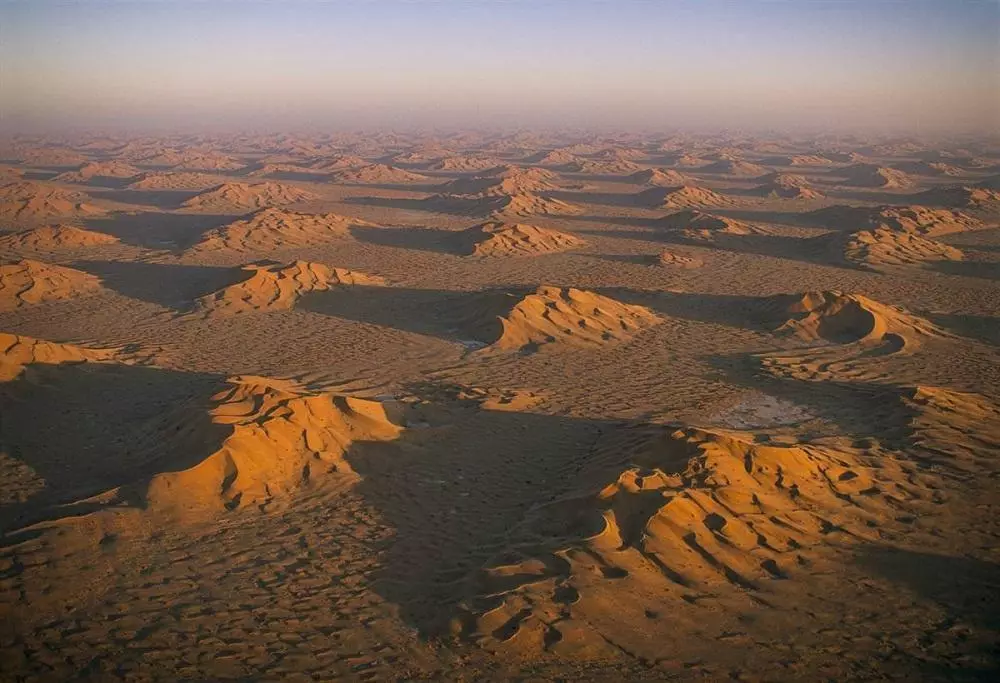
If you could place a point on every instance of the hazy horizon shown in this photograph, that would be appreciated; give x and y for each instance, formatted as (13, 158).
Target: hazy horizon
(889, 66)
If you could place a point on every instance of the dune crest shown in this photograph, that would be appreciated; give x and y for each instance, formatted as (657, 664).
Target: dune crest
(272, 228)
(885, 247)
(376, 173)
(499, 239)
(48, 237)
(787, 186)
(685, 196)
(276, 286)
(17, 352)
(870, 175)
(670, 258)
(33, 201)
(243, 196)
(962, 196)
(660, 177)
(27, 282)
(172, 180)
(98, 169)
(697, 224)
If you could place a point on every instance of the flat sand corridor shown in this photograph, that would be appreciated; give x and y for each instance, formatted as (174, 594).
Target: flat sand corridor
(485, 406)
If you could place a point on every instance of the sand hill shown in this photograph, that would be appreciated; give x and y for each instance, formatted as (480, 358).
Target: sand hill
(50, 237)
(172, 180)
(275, 438)
(670, 258)
(98, 169)
(920, 220)
(787, 186)
(870, 175)
(735, 168)
(885, 247)
(273, 286)
(271, 229)
(524, 204)
(690, 161)
(503, 180)
(231, 197)
(337, 163)
(659, 177)
(599, 167)
(205, 162)
(279, 168)
(465, 164)
(17, 352)
(682, 197)
(808, 160)
(496, 238)
(376, 173)
(694, 221)
(941, 422)
(555, 317)
(665, 517)
(961, 196)
(31, 201)
(27, 282)
(556, 157)
(54, 158)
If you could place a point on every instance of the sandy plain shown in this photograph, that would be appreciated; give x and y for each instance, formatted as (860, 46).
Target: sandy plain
(474, 407)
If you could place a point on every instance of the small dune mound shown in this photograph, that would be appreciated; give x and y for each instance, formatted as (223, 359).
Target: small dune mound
(735, 167)
(672, 521)
(27, 282)
(682, 197)
(527, 204)
(659, 177)
(808, 160)
(870, 175)
(787, 186)
(556, 157)
(923, 221)
(337, 163)
(558, 317)
(275, 169)
(962, 196)
(885, 247)
(32, 201)
(277, 438)
(204, 162)
(376, 173)
(503, 180)
(499, 239)
(230, 197)
(275, 286)
(172, 180)
(98, 169)
(690, 161)
(52, 237)
(932, 168)
(600, 167)
(698, 223)
(17, 352)
(839, 318)
(52, 157)
(270, 229)
(464, 164)
(675, 260)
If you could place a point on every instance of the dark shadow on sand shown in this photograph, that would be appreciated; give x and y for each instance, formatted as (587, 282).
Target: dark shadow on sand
(171, 285)
(154, 230)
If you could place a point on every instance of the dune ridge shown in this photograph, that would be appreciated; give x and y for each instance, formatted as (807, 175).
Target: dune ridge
(274, 228)
(27, 282)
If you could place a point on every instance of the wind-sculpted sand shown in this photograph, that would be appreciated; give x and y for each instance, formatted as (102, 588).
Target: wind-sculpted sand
(230, 197)
(29, 201)
(54, 237)
(27, 282)
(272, 228)
(499, 239)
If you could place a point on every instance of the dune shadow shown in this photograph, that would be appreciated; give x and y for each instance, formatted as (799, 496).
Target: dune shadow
(455, 496)
(965, 587)
(421, 239)
(986, 270)
(387, 203)
(985, 328)
(628, 199)
(171, 285)
(160, 199)
(732, 310)
(86, 428)
(154, 230)
(630, 221)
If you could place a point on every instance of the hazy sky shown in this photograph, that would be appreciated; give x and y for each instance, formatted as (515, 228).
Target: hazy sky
(623, 63)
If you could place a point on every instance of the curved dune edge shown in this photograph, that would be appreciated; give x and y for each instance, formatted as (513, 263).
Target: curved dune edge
(676, 517)
(276, 286)
(48, 237)
(501, 239)
(27, 282)
(885, 247)
(247, 196)
(273, 228)
(17, 352)
(34, 201)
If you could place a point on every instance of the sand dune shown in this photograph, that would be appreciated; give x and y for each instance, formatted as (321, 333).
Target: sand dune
(337, 163)
(271, 169)
(173, 180)
(560, 318)
(666, 517)
(735, 168)
(961, 196)
(525, 204)
(272, 228)
(32, 201)
(500, 239)
(18, 352)
(660, 177)
(690, 161)
(27, 282)
(870, 175)
(670, 258)
(230, 197)
(503, 180)
(376, 173)
(956, 429)
(885, 247)
(682, 197)
(51, 237)
(270, 286)
(705, 224)
(464, 163)
(199, 162)
(51, 157)
(787, 186)
(599, 167)
(98, 169)
(556, 157)
(919, 220)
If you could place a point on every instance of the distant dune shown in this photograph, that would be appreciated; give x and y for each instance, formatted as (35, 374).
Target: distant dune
(273, 228)
(499, 239)
(30, 201)
(230, 197)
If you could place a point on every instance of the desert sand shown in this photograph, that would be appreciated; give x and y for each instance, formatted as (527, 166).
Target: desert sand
(483, 406)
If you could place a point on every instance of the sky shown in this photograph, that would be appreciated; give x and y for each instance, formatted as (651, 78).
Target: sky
(907, 65)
